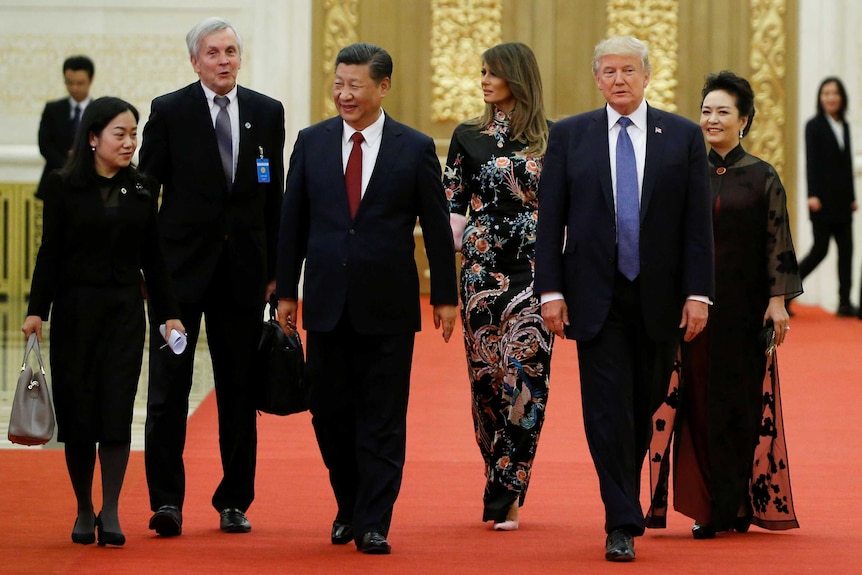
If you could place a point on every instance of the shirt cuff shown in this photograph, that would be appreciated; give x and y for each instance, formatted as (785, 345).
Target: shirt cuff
(700, 298)
(550, 296)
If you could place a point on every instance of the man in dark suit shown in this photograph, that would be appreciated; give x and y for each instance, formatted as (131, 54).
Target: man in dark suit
(61, 117)
(624, 265)
(217, 150)
(361, 290)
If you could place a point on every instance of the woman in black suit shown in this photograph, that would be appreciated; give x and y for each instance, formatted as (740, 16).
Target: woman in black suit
(831, 197)
(99, 234)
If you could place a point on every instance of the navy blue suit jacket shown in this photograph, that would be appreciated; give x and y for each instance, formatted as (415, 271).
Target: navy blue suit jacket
(56, 136)
(576, 202)
(366, 265)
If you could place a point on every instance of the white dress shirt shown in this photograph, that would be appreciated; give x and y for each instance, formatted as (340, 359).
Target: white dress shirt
(373, 134)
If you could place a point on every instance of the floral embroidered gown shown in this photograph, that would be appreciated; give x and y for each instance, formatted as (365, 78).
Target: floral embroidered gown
(508, 345)
(730, 452)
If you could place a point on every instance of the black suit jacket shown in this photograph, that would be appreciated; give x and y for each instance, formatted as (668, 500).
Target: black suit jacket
(81, 246)
(199, 218)
(365, 265)
(56, 136)
(830, 171)
(576, 202)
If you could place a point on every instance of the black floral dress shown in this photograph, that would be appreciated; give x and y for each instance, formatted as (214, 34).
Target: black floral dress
(508, 345)
(730, 455)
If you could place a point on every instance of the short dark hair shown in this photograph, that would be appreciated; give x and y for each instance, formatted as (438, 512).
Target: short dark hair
(841, 92)
(79, 63)
(81, 167)
(738, 87)
(377, 59)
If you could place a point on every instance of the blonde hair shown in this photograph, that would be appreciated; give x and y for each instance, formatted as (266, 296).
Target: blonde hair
(622, 46)
(515, 63)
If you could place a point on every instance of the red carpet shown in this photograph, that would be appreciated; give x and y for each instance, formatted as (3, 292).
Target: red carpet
(437, 527)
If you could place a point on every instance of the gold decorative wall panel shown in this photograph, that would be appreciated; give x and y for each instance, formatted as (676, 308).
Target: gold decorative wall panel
(460, 31)
(655, 22)
(21, 233)
(340, 28)
(768, 60)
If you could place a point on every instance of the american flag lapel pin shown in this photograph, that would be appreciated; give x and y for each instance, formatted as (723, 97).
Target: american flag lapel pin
(657, 130)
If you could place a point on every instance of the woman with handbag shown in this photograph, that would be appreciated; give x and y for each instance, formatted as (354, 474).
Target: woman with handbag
(99, 235)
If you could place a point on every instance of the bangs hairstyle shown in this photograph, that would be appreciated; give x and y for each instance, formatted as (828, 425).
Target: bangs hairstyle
(515, 63)
(738, 88)
(80, 169)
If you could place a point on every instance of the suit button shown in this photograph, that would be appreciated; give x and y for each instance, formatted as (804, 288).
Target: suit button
(352, 232)
(344, 264)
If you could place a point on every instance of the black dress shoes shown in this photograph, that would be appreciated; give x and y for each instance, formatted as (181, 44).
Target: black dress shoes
(374, 543)
(342, 533)
(620, 546)
(167, 521)
(846, 310)
(83, 537)
(108, 537)
(741, 524)
(699, 531)
(234, 521)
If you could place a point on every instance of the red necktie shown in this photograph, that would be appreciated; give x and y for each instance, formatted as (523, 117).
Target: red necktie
(353, 174)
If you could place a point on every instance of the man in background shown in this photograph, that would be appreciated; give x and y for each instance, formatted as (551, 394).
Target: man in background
(61, 117)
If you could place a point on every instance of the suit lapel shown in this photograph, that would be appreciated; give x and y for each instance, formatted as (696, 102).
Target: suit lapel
(654, 153)
(601, 156)
(387, 156)
(201, 123)
(332, 167)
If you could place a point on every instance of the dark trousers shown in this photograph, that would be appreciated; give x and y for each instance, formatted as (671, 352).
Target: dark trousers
(843, 234)
(360, 385)
(233, 333)
(624, 377)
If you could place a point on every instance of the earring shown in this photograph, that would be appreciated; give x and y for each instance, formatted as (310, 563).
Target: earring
(93, 148)
(741, 135)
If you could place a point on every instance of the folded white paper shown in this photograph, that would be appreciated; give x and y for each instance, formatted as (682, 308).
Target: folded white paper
(176, 341)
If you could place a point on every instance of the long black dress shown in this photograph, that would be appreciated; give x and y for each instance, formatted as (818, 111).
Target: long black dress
(508, 344)
(97, 239)
(729, 452)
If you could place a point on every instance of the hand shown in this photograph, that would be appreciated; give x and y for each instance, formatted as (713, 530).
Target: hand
(814, 204)
(694, 316)
(556, 316)
(270, 289)
(286, 315)
(173, 324)
(445, 315)
(32, 323)
(777, 312)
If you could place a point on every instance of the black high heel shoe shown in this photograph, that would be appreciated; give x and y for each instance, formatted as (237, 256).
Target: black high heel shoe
(741, 524)
(108, 537)
(82, 538)
(699, 531)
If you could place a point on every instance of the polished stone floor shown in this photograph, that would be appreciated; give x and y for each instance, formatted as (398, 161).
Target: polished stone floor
(12, 344)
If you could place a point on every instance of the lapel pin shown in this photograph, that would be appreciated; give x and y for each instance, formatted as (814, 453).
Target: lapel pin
(122, 190)
(247, 125)
(657, 130)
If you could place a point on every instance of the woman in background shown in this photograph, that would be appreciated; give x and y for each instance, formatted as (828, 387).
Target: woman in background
(99, 233)
(730, 428)
(490, 180)
(831, 197)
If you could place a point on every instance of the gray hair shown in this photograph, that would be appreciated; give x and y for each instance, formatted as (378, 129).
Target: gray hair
(203, 29)
(622, 46)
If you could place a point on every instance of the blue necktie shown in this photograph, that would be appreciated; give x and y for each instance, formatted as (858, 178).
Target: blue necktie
(628, 204)
(224, 138)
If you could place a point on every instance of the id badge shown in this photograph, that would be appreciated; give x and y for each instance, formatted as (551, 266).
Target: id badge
(263, 170)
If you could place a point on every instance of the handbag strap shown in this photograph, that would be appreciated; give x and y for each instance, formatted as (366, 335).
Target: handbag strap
(33, 346)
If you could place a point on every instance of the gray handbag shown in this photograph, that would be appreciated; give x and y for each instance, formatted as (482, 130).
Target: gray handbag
(32, 419)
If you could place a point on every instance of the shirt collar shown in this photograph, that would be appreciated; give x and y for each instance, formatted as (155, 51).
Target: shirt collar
(210, 94)
(371, 134)
(83, 103)
(638, 117)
